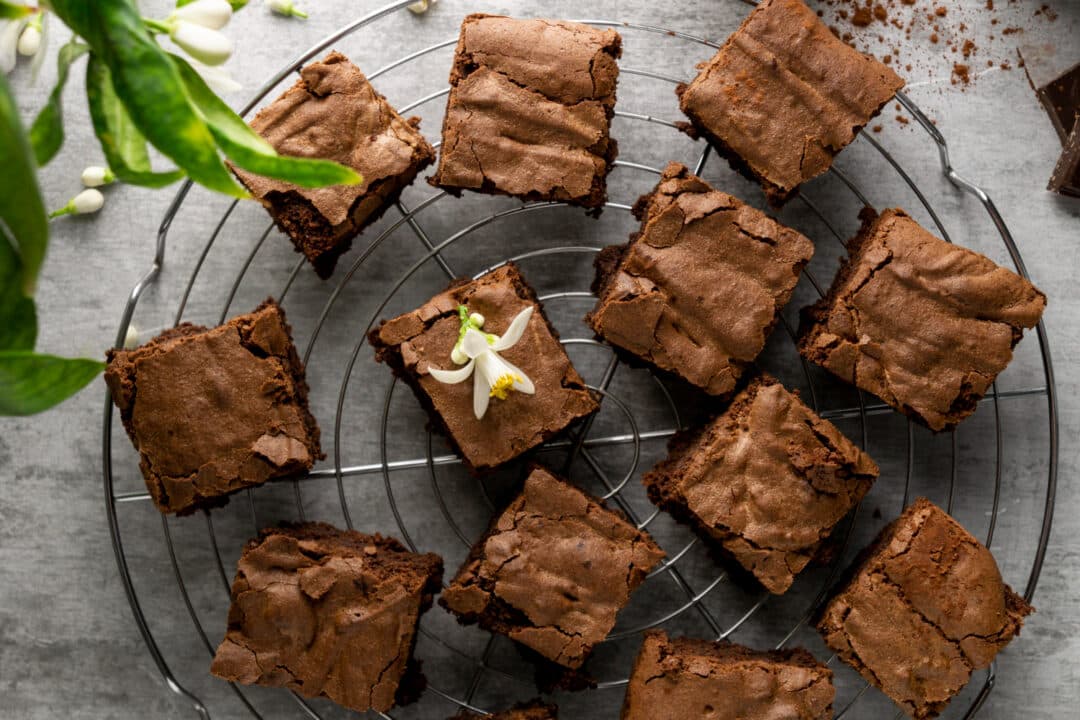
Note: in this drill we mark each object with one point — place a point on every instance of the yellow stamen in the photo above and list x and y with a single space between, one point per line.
503 384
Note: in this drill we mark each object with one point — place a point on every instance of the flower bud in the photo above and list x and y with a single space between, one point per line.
213 14
287 8
421 6
30 41
131 337
96 176
477 320
86 202
209 47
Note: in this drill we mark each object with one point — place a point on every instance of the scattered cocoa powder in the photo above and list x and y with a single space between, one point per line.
902 120
961 72
877 128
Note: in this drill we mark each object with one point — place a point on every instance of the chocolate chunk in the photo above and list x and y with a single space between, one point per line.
1066 176
1056 82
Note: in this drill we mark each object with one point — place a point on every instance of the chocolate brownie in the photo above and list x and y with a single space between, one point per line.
214 411
921 323
530 108
697 291
333 113
424 338
328 613
552 571
765 483
534 710
784 95
689 678
924 608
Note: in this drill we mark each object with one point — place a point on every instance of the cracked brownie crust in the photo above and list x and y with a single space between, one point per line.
530 110
413 342
925 608
214 411
690 678
765 483
535 710
552 571
921 323
784 95
328 613
333 113
698 290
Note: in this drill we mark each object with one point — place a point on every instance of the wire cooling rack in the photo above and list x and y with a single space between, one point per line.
997 473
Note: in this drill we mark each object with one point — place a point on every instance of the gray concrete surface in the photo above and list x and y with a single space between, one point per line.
68 643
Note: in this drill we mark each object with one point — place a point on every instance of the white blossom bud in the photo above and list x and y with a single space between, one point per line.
458 355
30 41
96 176
131 337
209 47
213 14
422 6
477 319
287 8
86 202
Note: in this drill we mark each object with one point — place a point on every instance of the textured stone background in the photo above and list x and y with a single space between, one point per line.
68 644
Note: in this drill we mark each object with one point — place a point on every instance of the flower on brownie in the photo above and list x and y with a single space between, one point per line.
478 352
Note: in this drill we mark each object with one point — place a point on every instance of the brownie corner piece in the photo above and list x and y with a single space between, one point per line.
552 571
924 608
700 286
784 95
529 111
334 113
787 478
693 678
962 316
513 422
215 410
328 613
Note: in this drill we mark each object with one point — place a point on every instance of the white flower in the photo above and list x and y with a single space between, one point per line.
131 337
421 6
205 45
86 202
213 14
479 353
218 79
10 30
96 176
287 8
30 41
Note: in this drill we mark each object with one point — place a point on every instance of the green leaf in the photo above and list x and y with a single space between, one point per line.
124 146
22 212
18 319
47 132
148 83
248 150
11 11
236 4
30 382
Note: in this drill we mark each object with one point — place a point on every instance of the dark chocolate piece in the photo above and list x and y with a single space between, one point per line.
765 483
530 110
552 571
784 95
333 113
1056 83
923 324
925 608
689 678
1066 176
697 291
214 411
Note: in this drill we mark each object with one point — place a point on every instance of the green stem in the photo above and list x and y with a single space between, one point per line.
157 26
66 210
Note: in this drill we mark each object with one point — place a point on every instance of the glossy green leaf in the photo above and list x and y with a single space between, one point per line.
248 150
22 212
123 144
30 382
47 132
147 82
236 4
18 319
12 11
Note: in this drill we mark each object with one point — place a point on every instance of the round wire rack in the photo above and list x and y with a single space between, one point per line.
997 473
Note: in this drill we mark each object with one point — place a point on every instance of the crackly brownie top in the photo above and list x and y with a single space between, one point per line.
326 612
770 479
921 323
561 562
691 678
211 411
529 109
786 95
535 710
426 336
698 289
333 113
926 607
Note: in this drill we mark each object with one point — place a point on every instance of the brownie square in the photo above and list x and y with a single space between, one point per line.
530 108
925 607
328 613
698 290
333 113
214 411
764 483
921 323
784 95
552 571
534 710
424 338
690 678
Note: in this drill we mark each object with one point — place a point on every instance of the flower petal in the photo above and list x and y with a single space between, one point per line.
522 383
9 40
481 395
474 344
515 331
452 377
